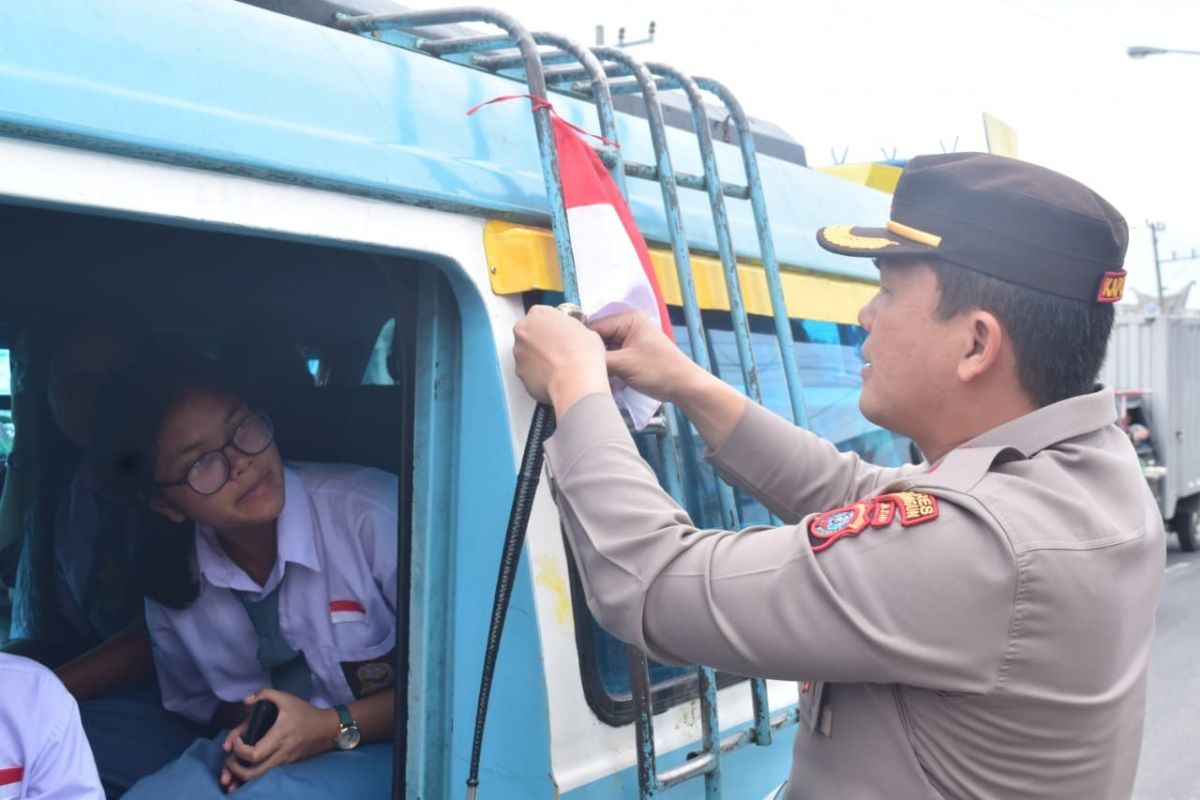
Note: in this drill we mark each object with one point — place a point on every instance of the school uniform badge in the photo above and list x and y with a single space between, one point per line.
909 508
10 782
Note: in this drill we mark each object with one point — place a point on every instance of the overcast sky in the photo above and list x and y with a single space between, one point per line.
863 77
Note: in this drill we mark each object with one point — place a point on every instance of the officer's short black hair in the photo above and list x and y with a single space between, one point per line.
1059 342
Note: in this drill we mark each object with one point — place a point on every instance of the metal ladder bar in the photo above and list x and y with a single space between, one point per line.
737 307
535 79
642 691
766 247
598 88
499 62
686 180
679 244
716 200
708 764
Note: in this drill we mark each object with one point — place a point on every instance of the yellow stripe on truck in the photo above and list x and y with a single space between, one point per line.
521 258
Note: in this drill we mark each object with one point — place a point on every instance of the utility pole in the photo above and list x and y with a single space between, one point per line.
621 42
1155 229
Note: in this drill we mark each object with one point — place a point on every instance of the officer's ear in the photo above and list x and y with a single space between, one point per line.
986 340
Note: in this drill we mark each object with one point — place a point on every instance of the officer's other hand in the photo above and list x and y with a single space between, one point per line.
558 359
640 354
301 731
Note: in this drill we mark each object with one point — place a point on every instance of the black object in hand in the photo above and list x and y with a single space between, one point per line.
261 719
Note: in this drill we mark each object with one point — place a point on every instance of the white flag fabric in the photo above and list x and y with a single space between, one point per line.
612 263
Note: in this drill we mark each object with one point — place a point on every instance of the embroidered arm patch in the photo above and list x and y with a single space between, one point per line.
910 508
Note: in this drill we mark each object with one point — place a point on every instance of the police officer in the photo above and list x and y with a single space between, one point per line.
975 626
43 752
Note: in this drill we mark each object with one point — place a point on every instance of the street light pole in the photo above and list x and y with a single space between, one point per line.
1155 229
1138 51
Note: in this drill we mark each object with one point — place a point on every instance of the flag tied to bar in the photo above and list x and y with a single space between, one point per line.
612 264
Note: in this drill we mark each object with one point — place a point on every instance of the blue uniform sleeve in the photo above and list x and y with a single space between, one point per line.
184 690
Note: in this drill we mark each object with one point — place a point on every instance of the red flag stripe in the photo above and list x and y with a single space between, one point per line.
586 181
11 775
347 605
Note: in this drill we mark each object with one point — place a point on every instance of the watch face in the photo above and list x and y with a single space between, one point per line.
348 738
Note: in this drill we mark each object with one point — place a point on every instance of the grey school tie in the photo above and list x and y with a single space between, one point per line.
287 667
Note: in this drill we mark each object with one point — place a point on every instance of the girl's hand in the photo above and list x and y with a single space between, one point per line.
301 731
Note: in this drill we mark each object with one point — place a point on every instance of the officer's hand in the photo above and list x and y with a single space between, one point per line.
640 354
557 359
301 731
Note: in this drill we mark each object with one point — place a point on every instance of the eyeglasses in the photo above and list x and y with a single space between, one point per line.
209 473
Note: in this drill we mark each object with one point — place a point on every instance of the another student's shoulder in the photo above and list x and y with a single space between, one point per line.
31 682
348 484
16 668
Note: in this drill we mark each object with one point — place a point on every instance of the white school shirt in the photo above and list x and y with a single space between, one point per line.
337 603
43 752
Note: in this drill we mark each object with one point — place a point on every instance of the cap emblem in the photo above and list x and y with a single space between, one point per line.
840 236
1112 287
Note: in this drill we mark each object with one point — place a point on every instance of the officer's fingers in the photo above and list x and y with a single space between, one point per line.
620 363
616 329
535 319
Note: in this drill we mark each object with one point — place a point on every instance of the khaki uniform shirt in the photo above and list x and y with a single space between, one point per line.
982 625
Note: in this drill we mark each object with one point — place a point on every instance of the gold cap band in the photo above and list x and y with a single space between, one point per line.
912 234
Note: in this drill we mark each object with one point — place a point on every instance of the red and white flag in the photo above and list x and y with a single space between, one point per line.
346 611
612 264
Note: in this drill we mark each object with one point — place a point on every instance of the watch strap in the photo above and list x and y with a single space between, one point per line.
344 717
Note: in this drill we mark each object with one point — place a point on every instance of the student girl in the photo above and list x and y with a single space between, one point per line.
76 604
265 581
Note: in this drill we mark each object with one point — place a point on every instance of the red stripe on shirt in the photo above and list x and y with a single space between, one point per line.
347 605
11 775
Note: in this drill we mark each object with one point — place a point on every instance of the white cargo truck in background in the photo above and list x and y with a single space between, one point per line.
1154 364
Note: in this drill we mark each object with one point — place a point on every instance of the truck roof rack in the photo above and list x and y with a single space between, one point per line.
769 138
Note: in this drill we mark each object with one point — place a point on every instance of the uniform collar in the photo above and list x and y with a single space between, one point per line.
1054 423
1023 437
296 540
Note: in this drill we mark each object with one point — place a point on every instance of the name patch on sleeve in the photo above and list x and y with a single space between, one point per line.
910 508
370 676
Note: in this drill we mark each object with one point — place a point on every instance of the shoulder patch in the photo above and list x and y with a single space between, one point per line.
827 528
910 508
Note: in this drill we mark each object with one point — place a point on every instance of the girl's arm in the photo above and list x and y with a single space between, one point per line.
109 665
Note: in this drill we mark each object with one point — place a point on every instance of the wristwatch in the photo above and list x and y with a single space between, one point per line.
348 737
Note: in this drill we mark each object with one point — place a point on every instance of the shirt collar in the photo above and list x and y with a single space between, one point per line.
1054 423
296 542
